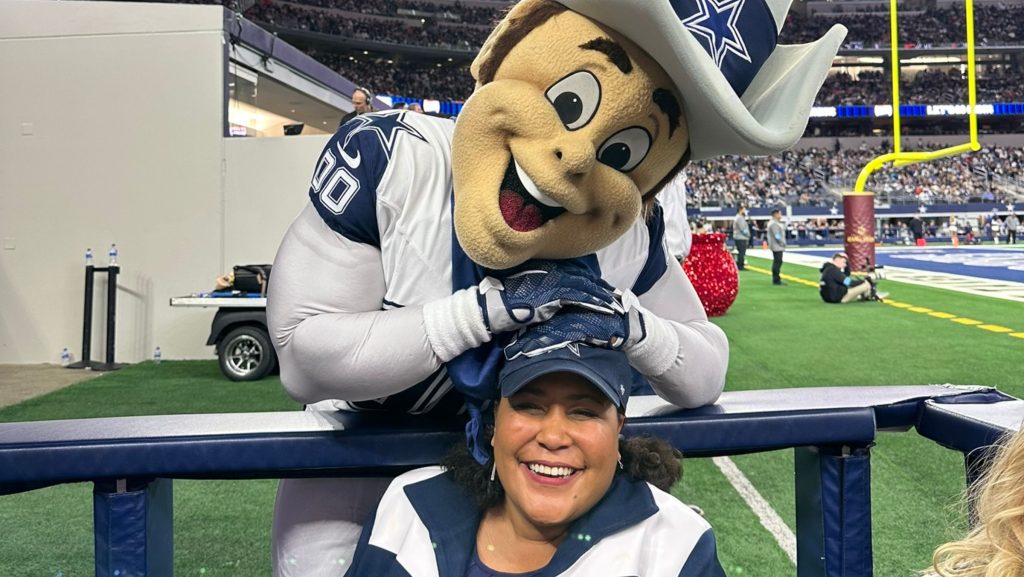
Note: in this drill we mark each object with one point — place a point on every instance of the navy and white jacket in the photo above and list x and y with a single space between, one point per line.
425 526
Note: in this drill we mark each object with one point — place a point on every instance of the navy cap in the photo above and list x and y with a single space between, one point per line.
608 370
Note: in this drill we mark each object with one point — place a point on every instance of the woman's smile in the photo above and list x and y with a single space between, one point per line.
550 475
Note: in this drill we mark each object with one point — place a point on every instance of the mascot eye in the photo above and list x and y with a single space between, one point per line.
575 98
625 149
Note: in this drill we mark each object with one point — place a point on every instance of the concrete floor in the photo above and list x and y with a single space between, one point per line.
22 382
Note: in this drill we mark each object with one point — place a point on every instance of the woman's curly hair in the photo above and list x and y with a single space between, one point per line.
644 458
995 547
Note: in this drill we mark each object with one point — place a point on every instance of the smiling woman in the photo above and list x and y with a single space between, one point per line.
561 496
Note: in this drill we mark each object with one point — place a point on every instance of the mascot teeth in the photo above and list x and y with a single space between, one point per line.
533 190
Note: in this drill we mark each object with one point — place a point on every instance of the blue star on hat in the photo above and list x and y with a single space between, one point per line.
721 33
721 26
743 93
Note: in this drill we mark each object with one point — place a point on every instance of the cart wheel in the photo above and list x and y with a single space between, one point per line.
245 354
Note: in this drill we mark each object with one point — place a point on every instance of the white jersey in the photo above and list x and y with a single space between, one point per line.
385 180
678 235
376 244
400 180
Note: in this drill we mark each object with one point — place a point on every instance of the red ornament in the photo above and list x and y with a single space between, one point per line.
712 271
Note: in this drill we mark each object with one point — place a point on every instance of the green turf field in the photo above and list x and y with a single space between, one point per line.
780 337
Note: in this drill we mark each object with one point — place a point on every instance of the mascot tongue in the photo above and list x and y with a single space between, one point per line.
520 215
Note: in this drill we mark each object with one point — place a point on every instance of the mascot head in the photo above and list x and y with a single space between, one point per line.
585 108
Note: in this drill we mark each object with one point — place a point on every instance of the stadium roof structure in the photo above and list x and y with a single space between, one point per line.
267 76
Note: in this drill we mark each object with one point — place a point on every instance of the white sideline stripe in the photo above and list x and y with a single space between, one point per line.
770 520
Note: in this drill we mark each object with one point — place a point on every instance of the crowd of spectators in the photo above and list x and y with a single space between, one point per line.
453 82
996 84
406 31
456 11
817 177
337 17
466 26
439 81
994 25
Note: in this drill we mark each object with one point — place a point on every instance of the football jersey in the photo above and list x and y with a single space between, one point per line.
385 179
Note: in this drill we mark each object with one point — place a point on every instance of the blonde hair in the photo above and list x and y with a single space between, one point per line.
995 547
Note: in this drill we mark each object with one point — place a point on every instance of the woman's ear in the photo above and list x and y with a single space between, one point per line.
622 421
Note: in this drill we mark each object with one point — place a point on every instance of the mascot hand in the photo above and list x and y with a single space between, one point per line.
574 325
535 295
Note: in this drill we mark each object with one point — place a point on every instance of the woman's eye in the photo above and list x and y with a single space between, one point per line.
526 407
584 414
625 149
575 98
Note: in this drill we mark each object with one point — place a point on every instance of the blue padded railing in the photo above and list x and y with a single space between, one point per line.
970 424
132 460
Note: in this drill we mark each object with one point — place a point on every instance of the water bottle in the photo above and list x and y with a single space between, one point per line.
112 253
157 355
65 357
88 257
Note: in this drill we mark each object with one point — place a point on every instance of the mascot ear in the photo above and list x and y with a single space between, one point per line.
519 19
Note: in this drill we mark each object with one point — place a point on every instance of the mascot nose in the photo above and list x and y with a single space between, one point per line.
575 156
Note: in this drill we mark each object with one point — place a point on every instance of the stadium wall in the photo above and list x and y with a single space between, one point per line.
112 131
266 186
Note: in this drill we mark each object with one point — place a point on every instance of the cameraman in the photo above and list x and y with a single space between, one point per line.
836 285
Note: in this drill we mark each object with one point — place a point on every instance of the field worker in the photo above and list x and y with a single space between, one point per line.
776 233
837 286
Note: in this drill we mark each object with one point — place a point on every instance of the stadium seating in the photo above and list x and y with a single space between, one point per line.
398 65
936 27
817 177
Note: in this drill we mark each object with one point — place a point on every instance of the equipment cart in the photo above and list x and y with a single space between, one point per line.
239 331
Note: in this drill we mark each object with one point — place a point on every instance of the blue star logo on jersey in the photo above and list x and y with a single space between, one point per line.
715 22
385 126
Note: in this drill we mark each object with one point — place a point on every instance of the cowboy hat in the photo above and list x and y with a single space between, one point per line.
743 93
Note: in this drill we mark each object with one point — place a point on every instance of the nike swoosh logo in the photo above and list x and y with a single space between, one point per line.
351 161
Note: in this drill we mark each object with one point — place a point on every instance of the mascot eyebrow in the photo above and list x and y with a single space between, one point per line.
668 104
665 100
611 48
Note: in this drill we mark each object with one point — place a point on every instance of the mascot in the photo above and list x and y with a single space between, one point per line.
427 241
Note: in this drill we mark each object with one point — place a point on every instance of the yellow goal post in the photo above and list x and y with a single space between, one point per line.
898 157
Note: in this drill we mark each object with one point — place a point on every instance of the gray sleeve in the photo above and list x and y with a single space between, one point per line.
333 340
695 374
740 228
